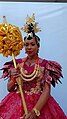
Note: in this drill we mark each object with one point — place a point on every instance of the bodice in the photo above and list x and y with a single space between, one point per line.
51 71
33 86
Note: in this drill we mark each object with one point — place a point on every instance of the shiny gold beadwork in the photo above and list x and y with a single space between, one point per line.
35 90
32 76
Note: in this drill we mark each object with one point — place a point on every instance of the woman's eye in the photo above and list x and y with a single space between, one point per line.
26 44
32 44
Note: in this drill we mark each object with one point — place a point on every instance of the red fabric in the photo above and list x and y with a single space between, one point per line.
11 106
14 80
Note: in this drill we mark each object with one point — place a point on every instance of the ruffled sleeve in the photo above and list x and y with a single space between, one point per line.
7 67
53 72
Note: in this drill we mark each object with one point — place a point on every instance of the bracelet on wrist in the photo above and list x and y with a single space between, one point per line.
37 112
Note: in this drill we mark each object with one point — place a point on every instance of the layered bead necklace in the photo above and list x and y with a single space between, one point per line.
33 75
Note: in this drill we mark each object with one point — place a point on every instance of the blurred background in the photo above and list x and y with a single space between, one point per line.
52 19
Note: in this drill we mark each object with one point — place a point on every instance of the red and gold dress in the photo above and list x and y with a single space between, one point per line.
11 106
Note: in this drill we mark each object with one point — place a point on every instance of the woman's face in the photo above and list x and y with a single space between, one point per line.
31 47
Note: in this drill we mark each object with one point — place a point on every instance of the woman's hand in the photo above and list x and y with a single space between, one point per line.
12 83
31 115
15 72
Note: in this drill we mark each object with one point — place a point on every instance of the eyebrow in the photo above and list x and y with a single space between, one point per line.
30 42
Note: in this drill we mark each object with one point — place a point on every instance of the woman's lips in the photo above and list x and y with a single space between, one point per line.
29 52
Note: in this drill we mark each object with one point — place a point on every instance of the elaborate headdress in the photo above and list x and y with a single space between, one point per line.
30 27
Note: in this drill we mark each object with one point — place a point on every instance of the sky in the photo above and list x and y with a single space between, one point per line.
52 19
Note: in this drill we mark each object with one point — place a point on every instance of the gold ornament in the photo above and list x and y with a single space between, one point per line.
36 73
37 112
31 21
11 43
11 40
27 77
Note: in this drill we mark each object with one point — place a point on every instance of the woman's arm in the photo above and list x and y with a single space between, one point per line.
12 83
44 97
41 102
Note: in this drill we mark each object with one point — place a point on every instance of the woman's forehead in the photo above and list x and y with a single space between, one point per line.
30 41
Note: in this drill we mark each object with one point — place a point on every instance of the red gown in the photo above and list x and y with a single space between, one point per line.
11 106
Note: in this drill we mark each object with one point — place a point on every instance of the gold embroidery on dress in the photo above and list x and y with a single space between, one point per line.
37 89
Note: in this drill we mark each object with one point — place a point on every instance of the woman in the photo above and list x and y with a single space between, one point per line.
37 75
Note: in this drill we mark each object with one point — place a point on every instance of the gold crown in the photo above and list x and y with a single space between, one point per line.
31 25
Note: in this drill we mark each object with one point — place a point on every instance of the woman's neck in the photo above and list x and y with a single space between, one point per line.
32 57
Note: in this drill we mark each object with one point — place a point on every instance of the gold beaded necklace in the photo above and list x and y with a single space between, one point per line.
30 77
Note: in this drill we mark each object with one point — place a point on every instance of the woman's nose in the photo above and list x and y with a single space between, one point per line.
29 46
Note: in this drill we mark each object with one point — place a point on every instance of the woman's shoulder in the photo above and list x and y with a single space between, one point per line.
53 70
50 64
11 62
8 66
42 61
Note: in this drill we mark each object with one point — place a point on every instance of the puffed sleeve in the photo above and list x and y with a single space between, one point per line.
53 72
7 67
